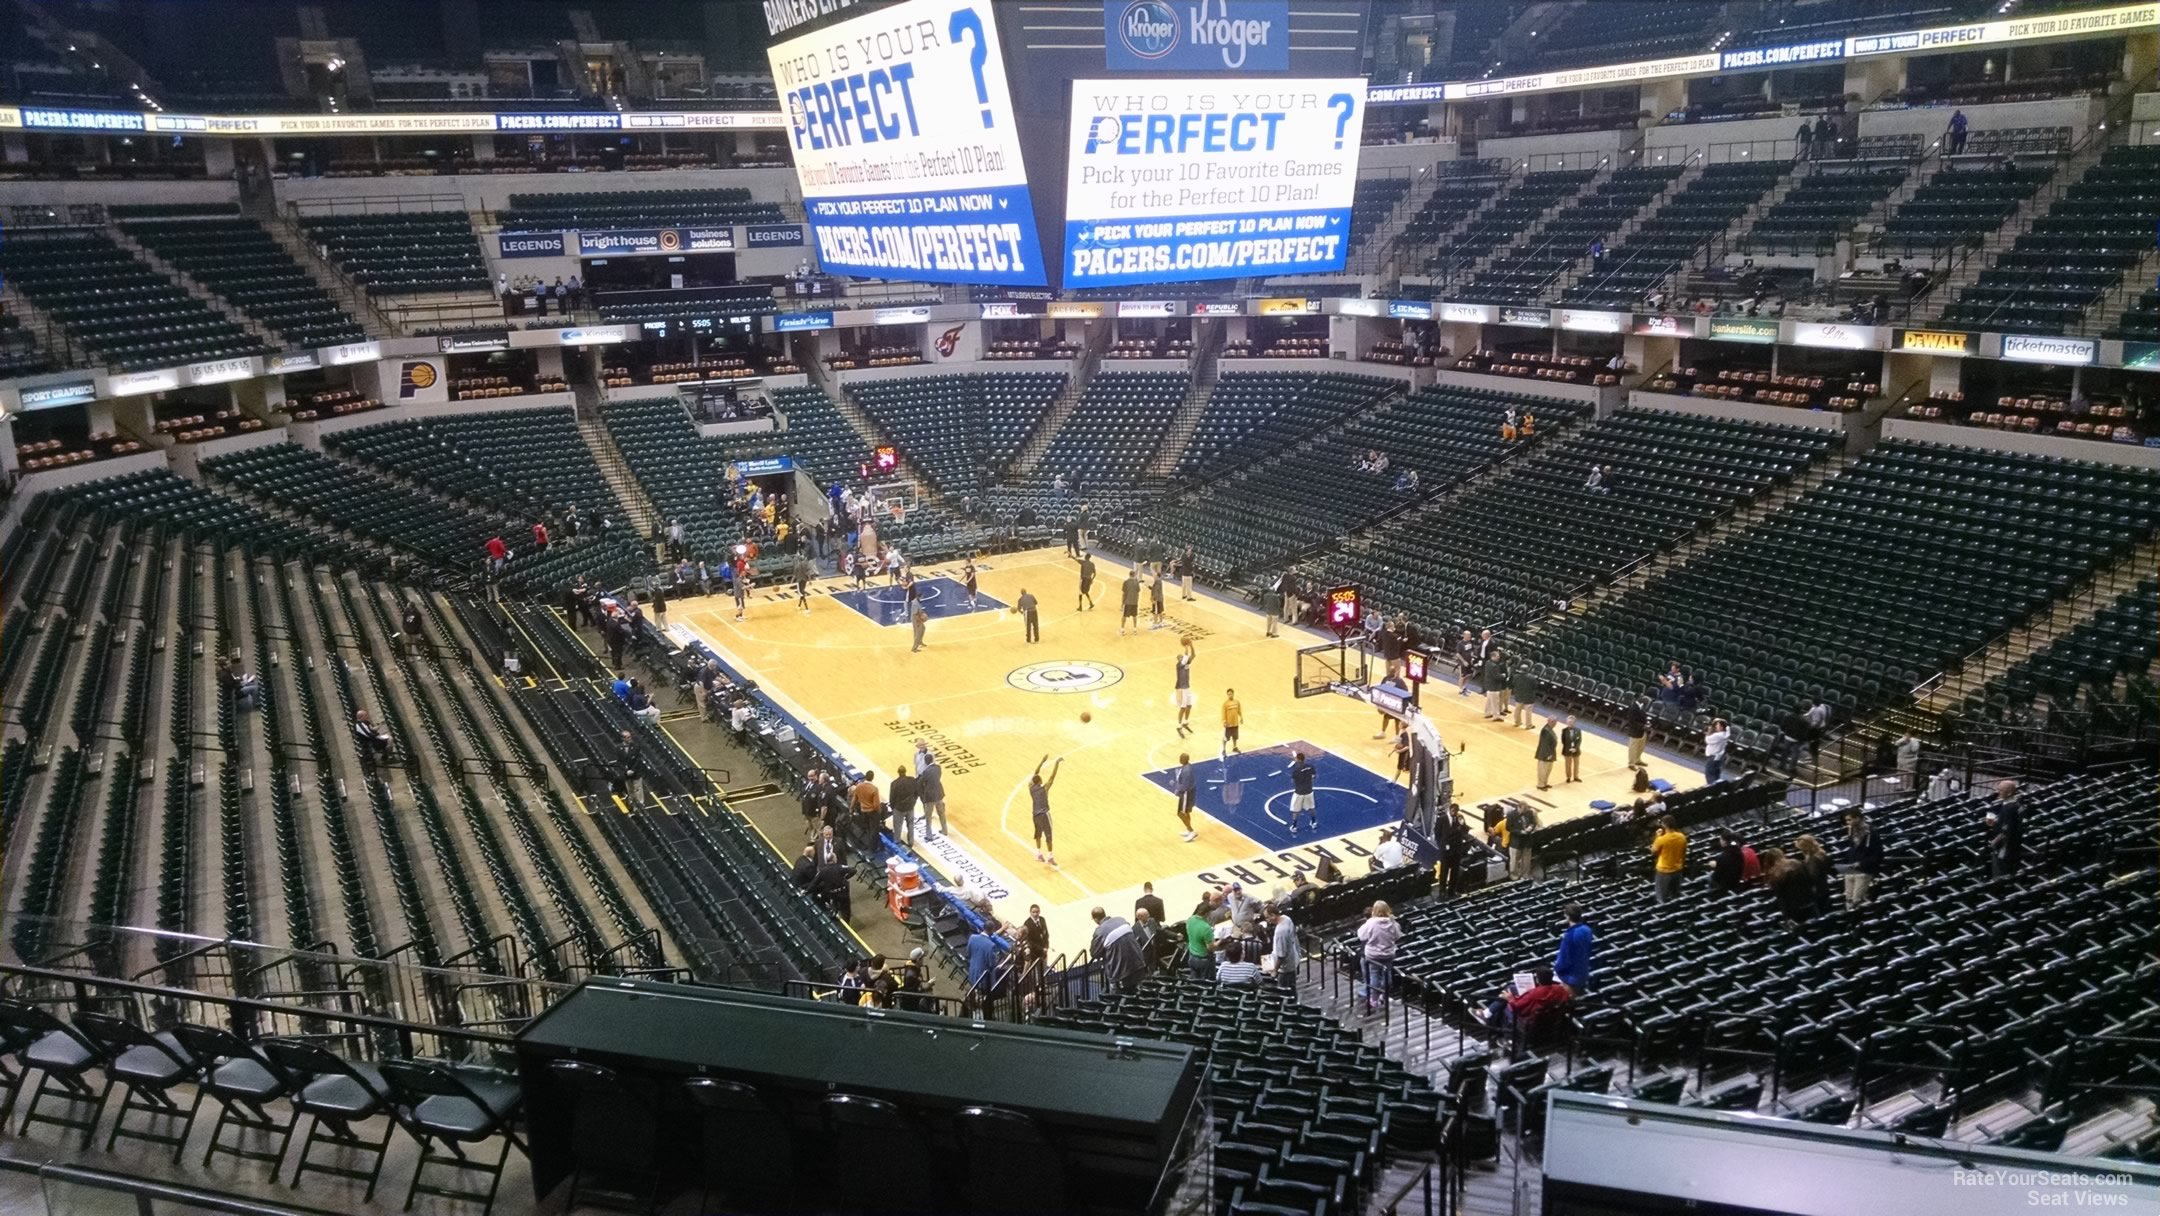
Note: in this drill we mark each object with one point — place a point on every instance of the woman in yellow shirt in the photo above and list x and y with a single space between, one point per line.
1669 847
1233 716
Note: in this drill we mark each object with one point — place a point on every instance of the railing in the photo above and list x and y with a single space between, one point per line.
71 1190
370 204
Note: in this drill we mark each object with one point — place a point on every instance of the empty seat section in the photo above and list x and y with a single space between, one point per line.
113 306
242 263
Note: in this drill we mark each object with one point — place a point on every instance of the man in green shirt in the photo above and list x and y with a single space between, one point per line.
1199 944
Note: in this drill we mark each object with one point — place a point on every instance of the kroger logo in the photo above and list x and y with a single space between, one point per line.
1149 29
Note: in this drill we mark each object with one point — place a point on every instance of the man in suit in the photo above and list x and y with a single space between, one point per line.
1571 749
1150 902
901 796
1636 722
1548 750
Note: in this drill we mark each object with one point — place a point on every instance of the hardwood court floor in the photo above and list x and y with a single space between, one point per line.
969 694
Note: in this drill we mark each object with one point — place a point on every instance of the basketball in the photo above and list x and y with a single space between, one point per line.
1085 716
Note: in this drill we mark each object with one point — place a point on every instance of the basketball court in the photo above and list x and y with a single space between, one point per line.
990 705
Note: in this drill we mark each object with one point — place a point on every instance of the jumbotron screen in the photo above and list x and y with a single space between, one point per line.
906 146
1186 179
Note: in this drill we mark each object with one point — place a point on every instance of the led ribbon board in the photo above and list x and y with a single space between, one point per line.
1178 180
902 128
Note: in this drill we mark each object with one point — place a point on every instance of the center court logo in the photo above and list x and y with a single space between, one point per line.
1149 29
1077 675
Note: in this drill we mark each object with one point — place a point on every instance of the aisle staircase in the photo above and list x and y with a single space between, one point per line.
1088 363
1206 370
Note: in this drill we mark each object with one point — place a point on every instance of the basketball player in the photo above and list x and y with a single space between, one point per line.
742 586
910 594
1087 582
1155 598
967 580
1233 717
803 571
1301 791
1182 783
859 566
1186 563
1129 602
1181 692
1039 808
893 562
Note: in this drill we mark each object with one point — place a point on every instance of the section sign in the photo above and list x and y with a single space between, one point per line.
1186 179
906 147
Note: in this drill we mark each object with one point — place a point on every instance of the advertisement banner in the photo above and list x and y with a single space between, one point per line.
1150 308
2143 356
1196 35
910 314
1410 310
1010 310
1534 318
597 335
798 322
1662 326
2065 352
1836 336
1782 56
1744 330
219 371
1081 310
1591 321
1218 308
901 124
769 236
1285 306
292 361
476 340
529 244
1361 308
1180 180
351 352
1934 342
128 384
1469 314
67 392
650 242
766 466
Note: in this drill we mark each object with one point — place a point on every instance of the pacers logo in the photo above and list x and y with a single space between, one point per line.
1074 676
416 377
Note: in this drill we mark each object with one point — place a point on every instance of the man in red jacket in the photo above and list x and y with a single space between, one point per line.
1531 1009
498 553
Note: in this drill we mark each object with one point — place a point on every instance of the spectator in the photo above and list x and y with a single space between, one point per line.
1115 946
1521 822
831 850
409 627
373 741
1816 864
983 949
930 788
1387 855
869 811
1802 139
1532 1010
1236 968
2005 826
1572 962
1595 483
629 772
1862 859
1379 936
903 793
1283 947
1789 885
242 686
1715 741
1150 903
1199 941
1035 932
1908 757
1669 848
1728 869
1958 124
498 555
621 687
641 704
